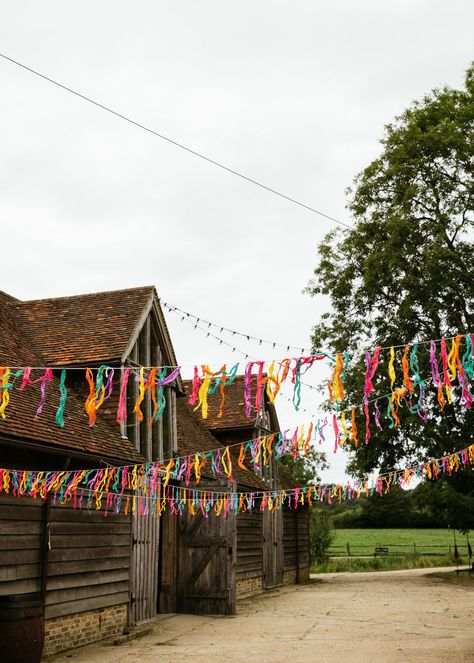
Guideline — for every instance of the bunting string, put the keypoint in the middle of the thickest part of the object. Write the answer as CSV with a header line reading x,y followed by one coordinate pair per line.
x,y
149,493
451,369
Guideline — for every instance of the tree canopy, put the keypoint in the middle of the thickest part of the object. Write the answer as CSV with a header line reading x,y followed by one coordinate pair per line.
x,y
403,273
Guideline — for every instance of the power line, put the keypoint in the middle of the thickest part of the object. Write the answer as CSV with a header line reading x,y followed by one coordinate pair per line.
x,y
176,143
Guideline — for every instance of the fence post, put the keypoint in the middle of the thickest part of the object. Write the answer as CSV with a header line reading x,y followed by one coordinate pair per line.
x,y
348,549
414,553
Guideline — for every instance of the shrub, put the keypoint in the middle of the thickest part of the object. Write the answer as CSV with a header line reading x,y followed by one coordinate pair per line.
x,y
321,535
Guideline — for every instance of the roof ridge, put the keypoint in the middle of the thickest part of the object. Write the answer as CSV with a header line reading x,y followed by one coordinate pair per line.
x,y
85,294
9,297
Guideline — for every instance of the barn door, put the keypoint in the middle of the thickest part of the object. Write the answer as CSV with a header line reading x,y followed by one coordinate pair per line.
x,y
207,561
144,569
272,548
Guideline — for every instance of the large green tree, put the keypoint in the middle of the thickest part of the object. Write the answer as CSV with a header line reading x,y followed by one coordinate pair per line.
x,y
404,272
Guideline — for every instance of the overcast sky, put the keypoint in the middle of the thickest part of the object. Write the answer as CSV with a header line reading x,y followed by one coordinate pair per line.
x,y
294,94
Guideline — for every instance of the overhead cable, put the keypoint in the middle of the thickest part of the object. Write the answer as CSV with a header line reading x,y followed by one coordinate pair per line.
x,y
176,143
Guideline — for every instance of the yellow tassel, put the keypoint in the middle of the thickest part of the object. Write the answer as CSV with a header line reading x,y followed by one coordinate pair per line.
x,y
391,369
344,428
4,377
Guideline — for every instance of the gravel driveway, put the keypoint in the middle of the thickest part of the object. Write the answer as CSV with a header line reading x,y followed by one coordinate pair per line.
x,y
394,616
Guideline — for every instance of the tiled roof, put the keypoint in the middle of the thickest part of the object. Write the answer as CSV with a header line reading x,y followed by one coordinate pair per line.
x,y
82,329
102,441
193,436
233,413
285,478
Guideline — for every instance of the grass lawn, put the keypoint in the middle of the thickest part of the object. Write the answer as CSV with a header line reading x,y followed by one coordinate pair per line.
x,y
353,550
362,542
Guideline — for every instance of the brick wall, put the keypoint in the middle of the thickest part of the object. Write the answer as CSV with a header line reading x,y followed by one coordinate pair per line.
x,y
249,586
289,576
304,574
83,628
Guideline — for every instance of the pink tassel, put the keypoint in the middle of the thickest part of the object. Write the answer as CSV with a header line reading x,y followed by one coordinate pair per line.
x,y
258,397
122,406
248,390
26,378
367,419
371,365
337,437
45,380
196,384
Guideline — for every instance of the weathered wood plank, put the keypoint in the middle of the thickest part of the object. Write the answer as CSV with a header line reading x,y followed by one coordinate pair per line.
x,y
67,514
256,568
20,586
21,542
8,527
8,557
252,573
62,527
246,554
250,542
24,501
19,572
20,513
82,605
84,566
68,554
89,591
89,579
89,540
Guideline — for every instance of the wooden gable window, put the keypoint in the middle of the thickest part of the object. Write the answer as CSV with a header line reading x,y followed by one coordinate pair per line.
x,y
155,441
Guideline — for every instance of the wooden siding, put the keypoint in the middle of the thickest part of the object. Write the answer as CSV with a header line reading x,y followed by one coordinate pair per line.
x,y
144,569
272,548
88,560
249,544
21,542
167,566
296,538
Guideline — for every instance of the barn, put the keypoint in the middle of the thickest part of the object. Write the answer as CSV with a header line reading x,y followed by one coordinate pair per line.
x,y
90,575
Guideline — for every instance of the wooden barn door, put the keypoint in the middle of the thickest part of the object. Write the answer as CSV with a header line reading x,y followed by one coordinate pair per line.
x,y
144,569
207,564
272,548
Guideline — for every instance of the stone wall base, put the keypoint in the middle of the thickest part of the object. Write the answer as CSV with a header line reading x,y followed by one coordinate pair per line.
x,y
289,576
82,628
249,586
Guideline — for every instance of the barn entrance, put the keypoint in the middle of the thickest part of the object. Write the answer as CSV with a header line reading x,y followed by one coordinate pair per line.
x,y
206,563
144,569
272,549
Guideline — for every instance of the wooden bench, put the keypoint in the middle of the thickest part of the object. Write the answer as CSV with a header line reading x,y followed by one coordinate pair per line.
x,y
381,550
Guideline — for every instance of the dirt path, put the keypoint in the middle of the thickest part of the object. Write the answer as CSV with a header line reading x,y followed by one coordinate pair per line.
x,y
393,617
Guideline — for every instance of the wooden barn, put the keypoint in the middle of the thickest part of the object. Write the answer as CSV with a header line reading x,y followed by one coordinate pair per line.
x,y
96,575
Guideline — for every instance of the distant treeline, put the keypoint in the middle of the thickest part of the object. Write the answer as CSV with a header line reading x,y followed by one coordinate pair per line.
x,y
432,504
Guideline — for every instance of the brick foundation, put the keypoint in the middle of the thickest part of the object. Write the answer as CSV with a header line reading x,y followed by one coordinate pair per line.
x,y
82,628
304,574
249,586
289,576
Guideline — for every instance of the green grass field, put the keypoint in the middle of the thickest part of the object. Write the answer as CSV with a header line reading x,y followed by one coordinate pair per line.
x,y
422,542
407,549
